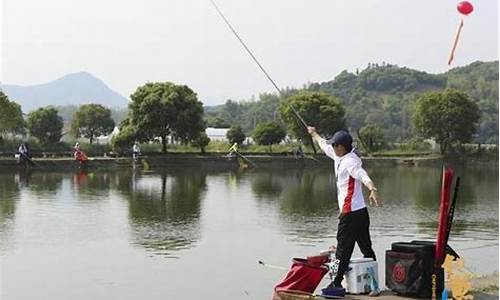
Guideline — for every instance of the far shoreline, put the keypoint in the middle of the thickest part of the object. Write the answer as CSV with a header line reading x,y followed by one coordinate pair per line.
x,y
217,160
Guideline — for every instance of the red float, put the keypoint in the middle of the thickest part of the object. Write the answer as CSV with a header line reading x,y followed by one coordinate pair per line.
x,y
465,7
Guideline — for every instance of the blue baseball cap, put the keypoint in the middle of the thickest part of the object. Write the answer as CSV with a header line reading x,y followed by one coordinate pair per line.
x,y
340,137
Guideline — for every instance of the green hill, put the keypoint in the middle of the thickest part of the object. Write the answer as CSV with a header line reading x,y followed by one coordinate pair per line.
x,y
382,95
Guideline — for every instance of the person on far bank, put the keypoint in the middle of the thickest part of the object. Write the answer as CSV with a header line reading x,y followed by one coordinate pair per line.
x,y
79,155
354,221
136,151
24,153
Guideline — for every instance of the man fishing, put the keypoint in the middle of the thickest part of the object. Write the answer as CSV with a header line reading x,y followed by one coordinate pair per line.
x,y
24,154
79,155
354,220
136,151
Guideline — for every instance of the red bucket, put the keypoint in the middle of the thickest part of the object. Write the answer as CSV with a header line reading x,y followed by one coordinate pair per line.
x,y
303,276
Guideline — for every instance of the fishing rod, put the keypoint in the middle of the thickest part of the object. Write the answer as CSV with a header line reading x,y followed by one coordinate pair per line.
x,y
245,158
295,112
234,148
30,160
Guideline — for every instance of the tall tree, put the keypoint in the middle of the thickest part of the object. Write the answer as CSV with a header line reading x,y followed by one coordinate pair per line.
x,y
11,116
125,138
91,121
269,133
201,142
235,135
46,125
448,117
165,109
318,109
371,137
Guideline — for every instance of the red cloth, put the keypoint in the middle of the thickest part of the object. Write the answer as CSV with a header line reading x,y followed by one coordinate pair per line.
x,y
302,277
80,156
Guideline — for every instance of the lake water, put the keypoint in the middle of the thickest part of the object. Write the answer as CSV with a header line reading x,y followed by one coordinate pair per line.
x,y
187,233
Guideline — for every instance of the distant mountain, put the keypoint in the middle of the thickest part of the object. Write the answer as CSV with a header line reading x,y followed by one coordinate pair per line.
x,y
75,89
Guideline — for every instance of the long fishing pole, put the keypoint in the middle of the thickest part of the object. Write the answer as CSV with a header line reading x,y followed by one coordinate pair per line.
x,y
245,158
260,66
31,160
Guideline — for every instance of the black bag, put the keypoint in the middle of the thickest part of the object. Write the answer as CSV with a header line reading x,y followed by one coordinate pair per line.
x,y
409,268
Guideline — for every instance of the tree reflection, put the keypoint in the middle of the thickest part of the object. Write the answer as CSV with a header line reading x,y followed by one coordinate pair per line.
x,y
412,195
309,205
91,185
305,199
267,185
164,208
9,193
43,184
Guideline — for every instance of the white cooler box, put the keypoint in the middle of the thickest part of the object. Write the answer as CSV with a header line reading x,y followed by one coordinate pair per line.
x,y
362,276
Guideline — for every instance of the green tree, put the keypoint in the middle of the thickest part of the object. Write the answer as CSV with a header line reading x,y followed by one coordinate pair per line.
x,y
317,109
448,117
91,121
201,142
216,122
372,137
235,135
125,138
46,125
11,116
268,133
165,109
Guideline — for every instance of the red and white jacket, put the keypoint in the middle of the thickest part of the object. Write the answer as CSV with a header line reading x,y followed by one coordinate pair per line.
x,y
349,175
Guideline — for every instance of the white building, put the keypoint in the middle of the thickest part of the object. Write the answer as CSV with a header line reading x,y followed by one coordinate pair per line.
x,y
106,139
217,134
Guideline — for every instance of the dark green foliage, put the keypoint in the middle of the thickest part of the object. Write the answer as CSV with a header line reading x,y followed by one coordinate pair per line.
x,y
480,81
46,125
448,117
246,114
235,135
91,121
68,111
415,144
317,109
201,142
165,109
384,95
11,116
372,138
216,122
269,133
124,140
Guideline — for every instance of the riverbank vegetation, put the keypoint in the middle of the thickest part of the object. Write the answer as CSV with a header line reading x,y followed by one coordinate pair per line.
x,y
390,111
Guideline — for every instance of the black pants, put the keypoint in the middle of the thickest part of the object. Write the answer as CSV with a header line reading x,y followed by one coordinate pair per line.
x,y
353,228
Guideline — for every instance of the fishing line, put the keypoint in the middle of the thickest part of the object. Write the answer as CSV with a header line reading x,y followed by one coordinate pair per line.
x,y
260,66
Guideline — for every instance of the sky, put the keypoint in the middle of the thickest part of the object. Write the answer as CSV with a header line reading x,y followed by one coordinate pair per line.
x,y
127,43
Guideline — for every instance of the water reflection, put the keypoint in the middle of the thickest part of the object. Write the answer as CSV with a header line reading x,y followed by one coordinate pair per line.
x,y
90,185
307,202
44,185
164,208
9,192
305,198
